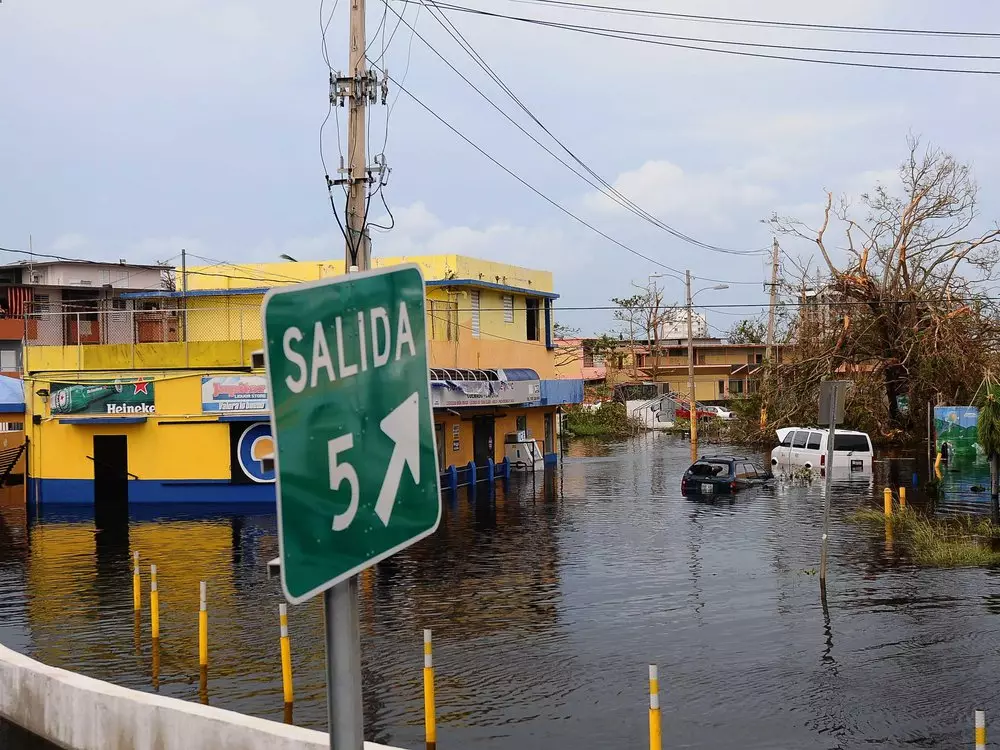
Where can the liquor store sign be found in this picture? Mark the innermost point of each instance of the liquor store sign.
(233, 393)
(105, 398)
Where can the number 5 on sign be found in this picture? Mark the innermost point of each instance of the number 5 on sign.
(340, 472)
(355, 461)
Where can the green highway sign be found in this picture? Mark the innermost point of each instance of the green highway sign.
(355, 455)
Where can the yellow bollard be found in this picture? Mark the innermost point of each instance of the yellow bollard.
(154, 604)
(286, 655)
(902, 498)
(980, 730)
(430, 717)
(203, 625)
(887, 498)
(655, 739)
(136, 584)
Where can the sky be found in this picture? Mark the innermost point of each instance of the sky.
(132, 130)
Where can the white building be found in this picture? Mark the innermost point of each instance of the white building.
(675, 325)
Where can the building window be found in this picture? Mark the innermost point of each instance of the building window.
(508, 308)
(522, 423)
(8, 360)
(722, 387)
(759, 359)
(588, 358)
(735, 387)
(676, 352)
(531, 325)
(474, 298)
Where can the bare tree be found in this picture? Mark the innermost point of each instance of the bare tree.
(644, 314)
(900, 303)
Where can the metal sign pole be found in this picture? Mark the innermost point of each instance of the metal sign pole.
(829, 478)
(345, 712)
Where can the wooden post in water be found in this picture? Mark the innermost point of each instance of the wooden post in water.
(430, 715)
(902, 498)
(655, 735)
(887, 502)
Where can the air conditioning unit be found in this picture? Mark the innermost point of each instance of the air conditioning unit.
(36, 277)
(257, 359)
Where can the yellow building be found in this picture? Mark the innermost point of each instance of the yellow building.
(163, 401)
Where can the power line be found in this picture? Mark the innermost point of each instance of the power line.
(542, 195)
(725, 20)
(711, 307)
(660, 40)
(595, 180)
(762, 45)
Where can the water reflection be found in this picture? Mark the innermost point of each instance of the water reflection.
(547, 599)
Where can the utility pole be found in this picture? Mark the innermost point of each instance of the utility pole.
(358, 253)
(774, 301)
(692, 401)
(345, 712)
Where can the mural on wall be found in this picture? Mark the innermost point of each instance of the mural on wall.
(958, 426)
(125, 397)
(233, 393)
(251, 452)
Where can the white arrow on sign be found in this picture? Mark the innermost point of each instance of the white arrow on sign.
(402, 425)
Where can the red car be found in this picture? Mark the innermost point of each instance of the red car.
(686, 414)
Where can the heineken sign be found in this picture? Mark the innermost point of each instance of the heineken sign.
(118, 397)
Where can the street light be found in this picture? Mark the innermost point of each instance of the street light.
(692, 404)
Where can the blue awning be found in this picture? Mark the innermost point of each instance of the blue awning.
(11, 395)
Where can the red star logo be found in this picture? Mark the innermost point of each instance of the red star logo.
(141, 386)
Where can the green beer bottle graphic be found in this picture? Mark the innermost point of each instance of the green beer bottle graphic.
(76, 398)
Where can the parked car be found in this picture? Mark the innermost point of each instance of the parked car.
(719, 412)
(684, 412)
(806, 447)
(711, 475)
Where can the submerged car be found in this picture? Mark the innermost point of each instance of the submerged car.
(807, 447)
(712, 475)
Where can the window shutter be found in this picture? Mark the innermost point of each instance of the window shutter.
(474, 296)
(508, 308)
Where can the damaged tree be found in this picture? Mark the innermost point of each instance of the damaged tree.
(901, 305)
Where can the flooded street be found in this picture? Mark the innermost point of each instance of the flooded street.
(547, 603)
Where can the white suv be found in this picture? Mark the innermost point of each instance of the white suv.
(806, 447)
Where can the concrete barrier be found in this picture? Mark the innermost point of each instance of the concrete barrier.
(81, 713)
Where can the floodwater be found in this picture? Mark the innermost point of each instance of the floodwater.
(547, 603)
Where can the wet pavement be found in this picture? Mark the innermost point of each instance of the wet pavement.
(547, 602)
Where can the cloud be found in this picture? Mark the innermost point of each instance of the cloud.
(666, 190)
(70, 243)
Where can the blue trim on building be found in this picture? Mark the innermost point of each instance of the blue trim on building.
(102, 420)
(555, 392)
(260, 417)
(143, 491)
(12, 408)
(490, 285)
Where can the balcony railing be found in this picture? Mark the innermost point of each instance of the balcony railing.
(123, 339)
